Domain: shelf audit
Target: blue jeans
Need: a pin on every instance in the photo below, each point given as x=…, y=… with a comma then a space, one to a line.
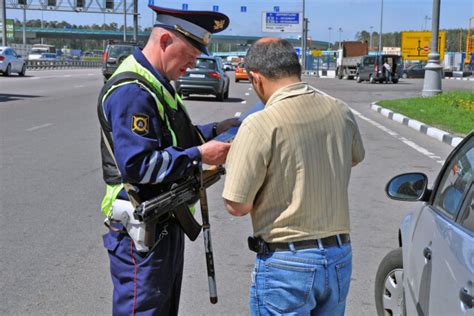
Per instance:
x=312, y=281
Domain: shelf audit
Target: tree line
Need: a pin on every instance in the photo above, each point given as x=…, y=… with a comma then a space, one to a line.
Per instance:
x=455, y=38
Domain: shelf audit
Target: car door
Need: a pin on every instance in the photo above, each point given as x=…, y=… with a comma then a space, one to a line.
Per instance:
x=434, y=235
x=15, y=61
x=452, y=289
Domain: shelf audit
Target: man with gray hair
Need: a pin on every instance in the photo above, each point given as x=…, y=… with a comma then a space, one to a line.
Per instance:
x=294, y=184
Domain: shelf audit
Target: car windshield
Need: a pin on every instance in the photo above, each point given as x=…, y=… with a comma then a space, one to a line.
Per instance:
x=37, y=51
x=117, y=51
x=203, y=63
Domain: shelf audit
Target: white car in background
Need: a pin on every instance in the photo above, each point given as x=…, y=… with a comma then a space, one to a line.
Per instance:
x=11, y=62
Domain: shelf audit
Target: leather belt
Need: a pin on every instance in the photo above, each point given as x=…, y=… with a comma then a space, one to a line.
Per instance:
x=259, y=246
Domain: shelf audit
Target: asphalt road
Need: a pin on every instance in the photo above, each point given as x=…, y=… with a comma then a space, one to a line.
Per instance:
x=53, y=261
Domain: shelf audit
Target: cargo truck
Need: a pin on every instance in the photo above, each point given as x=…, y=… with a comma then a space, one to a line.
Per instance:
x=349, y=55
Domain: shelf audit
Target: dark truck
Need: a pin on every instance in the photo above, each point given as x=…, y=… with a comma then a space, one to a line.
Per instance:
x=114, y=55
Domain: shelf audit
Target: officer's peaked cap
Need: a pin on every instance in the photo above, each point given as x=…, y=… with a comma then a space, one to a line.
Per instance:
x=196, y=26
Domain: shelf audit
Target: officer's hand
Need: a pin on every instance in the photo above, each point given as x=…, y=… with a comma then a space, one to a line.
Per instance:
x=214, y=152
x=226, y=124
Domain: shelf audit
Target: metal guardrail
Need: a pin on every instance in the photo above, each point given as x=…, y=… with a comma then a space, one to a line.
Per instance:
x=52, y=64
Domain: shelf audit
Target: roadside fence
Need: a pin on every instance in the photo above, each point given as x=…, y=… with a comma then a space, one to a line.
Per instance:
x=52, y=64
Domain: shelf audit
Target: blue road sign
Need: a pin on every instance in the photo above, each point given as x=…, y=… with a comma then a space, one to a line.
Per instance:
x=185, y=6
x=243, y=9
x=282, y=18
x=298, y=51
x=151, y=2
x=215, y=8
x=276, y=8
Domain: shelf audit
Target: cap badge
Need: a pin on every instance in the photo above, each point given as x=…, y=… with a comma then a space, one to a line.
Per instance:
x=219, y=24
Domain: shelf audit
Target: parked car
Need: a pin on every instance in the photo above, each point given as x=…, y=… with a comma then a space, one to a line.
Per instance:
x=207, y=77
x=241, y=73
x=371, y=68
x=11, y=62
x=114, y=55
x=432, y=273
x=414, y=71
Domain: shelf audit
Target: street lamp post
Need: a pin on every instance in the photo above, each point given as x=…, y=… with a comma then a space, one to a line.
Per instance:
x=4, y=22
x=433, y=70
x=371, y=44
x=329, y=41
x=380, y=35
x=303, y=39
x=124, y=20
x=340, y=33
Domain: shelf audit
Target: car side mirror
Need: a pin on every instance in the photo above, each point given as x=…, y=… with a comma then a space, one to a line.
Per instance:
x=408, y=187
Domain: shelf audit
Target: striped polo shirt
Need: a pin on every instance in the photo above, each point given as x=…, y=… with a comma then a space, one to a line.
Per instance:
x=293, y=160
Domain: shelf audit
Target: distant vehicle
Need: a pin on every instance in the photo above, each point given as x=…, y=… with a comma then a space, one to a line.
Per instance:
x=433, y=270
x=241, y=73
x=114, y=55
x=38, y=49
x=228, y=66
x=371, y=68
x=11, y=62
x=48, y=57
x=349, y=55
x=207, y=77
x=414, y=71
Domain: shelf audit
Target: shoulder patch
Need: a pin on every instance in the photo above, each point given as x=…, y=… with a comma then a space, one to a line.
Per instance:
x=140, y=124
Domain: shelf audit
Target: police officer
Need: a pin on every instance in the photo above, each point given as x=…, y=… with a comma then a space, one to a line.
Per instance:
x=154, y=144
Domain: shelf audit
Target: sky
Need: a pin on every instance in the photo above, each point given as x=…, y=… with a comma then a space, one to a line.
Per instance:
x=350, y=16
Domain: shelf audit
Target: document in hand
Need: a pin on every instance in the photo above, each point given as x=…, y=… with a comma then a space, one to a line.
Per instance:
x=229, y=135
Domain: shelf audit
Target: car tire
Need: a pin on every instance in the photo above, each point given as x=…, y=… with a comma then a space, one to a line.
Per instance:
x=8, y=71
x=23, y=71
x=358, y=79
x=371, y=79
x=226, y=94
x=395, y=81
x=389, y=294
x=220, y=96
x=236, y=80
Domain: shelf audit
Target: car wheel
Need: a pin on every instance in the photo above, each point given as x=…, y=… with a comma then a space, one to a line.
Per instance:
x=404, y=76
x=371, y=79
x=220, y=96
x=8, y=71
x=389, y=295
x=358, y=80
x=395, y=81
x=226, y=94
x=236, y=80
x=23, y=71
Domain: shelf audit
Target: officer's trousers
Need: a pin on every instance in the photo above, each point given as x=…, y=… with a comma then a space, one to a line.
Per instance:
x=147, y=283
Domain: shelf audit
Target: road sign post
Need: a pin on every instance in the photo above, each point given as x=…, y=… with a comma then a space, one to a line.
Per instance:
x=433, y=70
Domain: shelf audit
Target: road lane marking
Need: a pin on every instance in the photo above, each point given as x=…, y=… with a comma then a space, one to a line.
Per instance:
x=250, y=89
x=34, y=78
x=79, y=86
x=407, y=142
x=237, y=114
x=243, y=102
x=246, y=93
x=38, y=127
x=90, y=74
x=66, y=76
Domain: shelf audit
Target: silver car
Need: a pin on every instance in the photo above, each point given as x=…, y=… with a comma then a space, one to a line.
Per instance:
x=432, y=273
x=11, y=62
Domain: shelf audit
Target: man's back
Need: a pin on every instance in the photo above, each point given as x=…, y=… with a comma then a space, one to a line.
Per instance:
x=306, y=142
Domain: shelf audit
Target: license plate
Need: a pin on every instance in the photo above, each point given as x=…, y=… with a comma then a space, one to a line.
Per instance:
x=196, y=76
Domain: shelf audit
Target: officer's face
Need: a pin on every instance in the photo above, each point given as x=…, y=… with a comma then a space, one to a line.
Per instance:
x=181, y=55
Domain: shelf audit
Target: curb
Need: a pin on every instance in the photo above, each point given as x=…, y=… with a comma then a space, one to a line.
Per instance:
x=434, y=132
x=465, y=79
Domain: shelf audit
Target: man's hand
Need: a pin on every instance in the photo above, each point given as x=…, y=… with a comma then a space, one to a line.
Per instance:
x=214, y=152
x=226, y=124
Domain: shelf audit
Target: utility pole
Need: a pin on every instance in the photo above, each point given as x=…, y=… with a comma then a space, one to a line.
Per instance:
x=4, y=22
x=124, y=20
x=371, y=44
x=135, y=21
x=303, y=40
x=433, y=70
x=329, y=41
x=380, y=35
x=340, y=33
x=24, y=27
